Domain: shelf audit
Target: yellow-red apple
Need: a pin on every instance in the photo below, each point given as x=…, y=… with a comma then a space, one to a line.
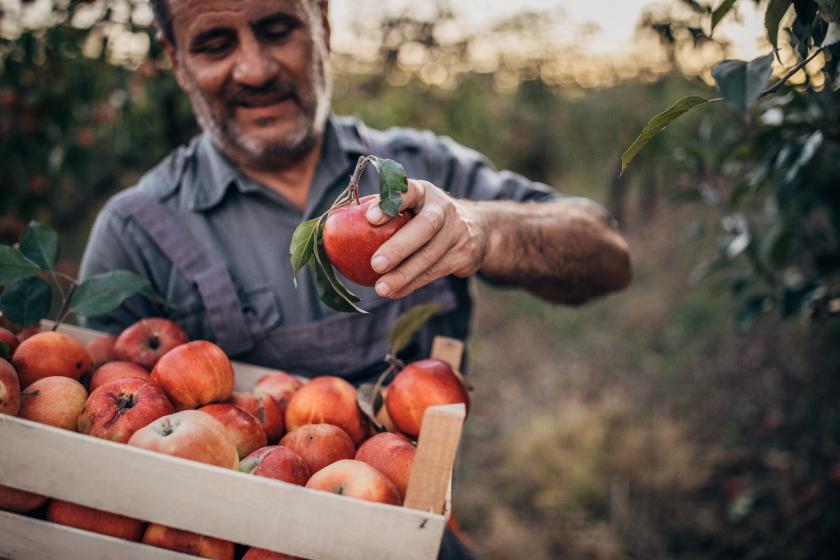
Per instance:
x=56, y=401
x=147, y=340
x=19, y=501
x=9, y=389
x=279, y=385
x=189, y=434
x=115, y=370
x=276, y=461
x=101, y=350
x=49, y=354
x=392, y=455
x=194, y=374
x=327, y=400
x=187, y=542
x=266, y=410
x=242, y=427
x=94, y=520
x=355, y=479
x=120, y=407
x=319, y=445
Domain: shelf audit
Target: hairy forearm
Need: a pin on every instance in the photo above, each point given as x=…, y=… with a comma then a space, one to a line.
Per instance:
x=564, y=251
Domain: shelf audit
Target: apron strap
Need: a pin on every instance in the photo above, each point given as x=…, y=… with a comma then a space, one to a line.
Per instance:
x=212, y=277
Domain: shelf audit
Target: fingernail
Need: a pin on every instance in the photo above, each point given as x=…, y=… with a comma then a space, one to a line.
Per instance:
x=383, y=289
x=375, y=214
x=379, y=263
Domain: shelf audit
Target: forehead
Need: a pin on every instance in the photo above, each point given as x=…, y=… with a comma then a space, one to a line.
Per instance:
x=193, y=16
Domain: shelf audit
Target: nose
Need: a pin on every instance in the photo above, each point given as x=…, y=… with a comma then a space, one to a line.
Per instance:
x=254, y=65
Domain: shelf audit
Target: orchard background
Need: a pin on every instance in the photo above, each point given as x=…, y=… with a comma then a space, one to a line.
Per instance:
x=696, y=415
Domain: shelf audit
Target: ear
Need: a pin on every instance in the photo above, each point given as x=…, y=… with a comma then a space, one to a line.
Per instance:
x=325, y=22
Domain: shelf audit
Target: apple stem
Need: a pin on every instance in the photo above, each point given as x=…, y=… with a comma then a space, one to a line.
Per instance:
x=394, y=364
x=65, y=306
x=357, y=175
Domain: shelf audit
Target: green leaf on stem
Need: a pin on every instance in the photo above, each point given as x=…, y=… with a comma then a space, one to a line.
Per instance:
x=302, y=248
x=39, y=243
x=369, y=403
x=657, y=124
x=102, y=293
x=741, y=83
x=776, y=10
x=26, y=301
x=331, y=291
x=408, y=323
x=392, y=183
x=14, y=266
x=720, y=12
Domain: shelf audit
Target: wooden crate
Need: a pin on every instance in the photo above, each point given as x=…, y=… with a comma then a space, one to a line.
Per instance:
x=223, y=503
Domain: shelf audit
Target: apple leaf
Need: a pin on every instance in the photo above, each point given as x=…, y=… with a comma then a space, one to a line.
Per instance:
x=101, y=293
x=408, y=323
x=26, y=301
x=657, y=124
x=741, y=83
x=369, y=403
x=331, y=291
x=392, y=183
x=776, y=10
x=302, y=248
x=720, y=12
x=39, y=243
x=14, y=266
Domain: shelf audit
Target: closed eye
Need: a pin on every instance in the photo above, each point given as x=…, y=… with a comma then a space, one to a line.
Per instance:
x=277, y=27
x=214, y=42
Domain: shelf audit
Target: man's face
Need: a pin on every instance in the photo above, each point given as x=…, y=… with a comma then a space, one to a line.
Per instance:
x=256, y=74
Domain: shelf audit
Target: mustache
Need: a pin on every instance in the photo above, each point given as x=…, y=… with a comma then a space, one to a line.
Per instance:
x=272, y=92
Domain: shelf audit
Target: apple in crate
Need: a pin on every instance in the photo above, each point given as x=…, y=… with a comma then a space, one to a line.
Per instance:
x=9, y=339
x=94, y=520
x=50, y=354
x=275, y=461
x=56, y=401
x=392, y=455
x=327, y=400
x=101, y=350
x=243, y=429
x=119, y=408
x=115, y=370
x=19, y=501
x=319, y=445
x=266, y=410
x=189, y=434
x=9, y=389
x=194, y=374
x=355, y=479
x=187, y=542
x=147, y=340
x=279, y=385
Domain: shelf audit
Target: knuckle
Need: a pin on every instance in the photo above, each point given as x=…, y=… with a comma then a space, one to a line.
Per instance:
x=435, y=216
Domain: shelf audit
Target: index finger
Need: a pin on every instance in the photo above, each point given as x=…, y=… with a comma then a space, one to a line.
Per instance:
x=413, y=198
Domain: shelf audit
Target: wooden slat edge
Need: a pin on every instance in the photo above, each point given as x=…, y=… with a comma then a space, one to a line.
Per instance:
x=449, y=350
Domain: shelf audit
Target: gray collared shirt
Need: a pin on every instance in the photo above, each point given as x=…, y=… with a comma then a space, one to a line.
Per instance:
x=249, y=226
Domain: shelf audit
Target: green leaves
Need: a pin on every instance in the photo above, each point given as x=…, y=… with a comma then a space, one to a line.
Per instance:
x=776, y=10
x=26, y=301
x=742, y=83
x=409, y=323
x=102, y=293
x=39, y=243
x=720, y=12
x=14, y=266
x=657, y=124
x=302, y=248
x=392, y=183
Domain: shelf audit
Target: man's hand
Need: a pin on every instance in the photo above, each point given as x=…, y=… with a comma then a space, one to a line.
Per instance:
x=445, y=237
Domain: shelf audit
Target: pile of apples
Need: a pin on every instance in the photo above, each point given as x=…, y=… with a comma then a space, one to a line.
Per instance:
x=151, y=387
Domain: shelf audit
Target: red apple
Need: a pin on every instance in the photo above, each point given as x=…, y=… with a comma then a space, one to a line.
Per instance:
x=101, y=350
x=355, y=479
x=115, y=370
x=9, y=389
x=351, y=240
x=49, y=354
x=120, y=407
x=194, y=374
x=242, y=427
x=392, y=455
x=187, y=542
x=29, y=332
x=189, y=434
x=327, y=400
x=421, y=385
x=94, y=520
x=277, y=462
x=56, y=401
x=262, y=554
x=266, y=410
x=279, y=385
x=319, y=445
x=9, y=339
x=12, y=499
x=147, y=340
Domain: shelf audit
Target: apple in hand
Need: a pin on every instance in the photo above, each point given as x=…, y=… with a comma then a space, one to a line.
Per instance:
x=392, y=455
x=277, y=462
x=56, y=401
x=243, y=429
x=319, y=445
x=94, y=520
x=327, y=400
x=9, y=389
x=101, y=350
x=147, y=340
x=418, y=386
x=189, y=434
x=19, y=501
x=120, y=407
x=115, y=370
x=266, y=410
x=49, y=354
x=279, y=385
x=187, y=542
x=355, y=479
x=194, y=374
x=350, y=240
